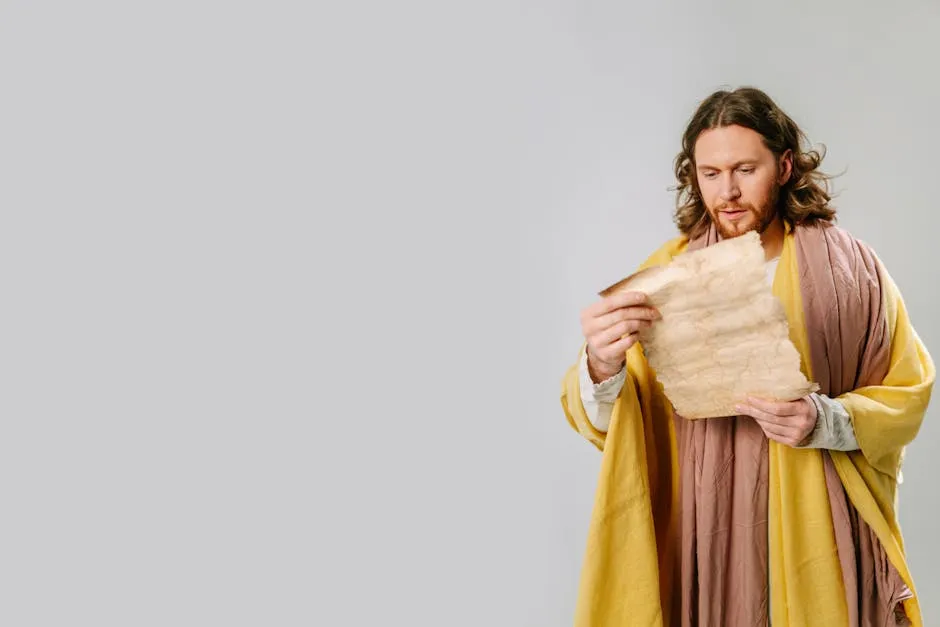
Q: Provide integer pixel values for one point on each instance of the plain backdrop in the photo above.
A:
(624, 82)
(289, 288)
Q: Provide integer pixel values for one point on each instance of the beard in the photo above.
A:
(758, 217)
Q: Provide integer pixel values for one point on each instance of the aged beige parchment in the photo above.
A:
(723, 335)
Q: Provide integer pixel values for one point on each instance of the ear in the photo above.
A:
(785, 167)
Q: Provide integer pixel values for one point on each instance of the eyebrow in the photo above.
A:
(705, 166)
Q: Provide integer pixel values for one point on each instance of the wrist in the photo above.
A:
(813, 413)
(601, 371)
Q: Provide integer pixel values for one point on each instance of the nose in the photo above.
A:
(729, 189)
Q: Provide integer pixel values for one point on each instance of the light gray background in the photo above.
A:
(289, 288)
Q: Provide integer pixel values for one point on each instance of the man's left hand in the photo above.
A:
(789, 423)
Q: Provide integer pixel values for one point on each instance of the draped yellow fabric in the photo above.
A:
(627, 576)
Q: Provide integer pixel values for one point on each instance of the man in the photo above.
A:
(786, 513)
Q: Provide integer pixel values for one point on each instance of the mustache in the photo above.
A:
(734, 206)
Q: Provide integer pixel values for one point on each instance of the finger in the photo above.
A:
(621, 346)
(775, 432)
(620, 329)
(746, 409)
(621, 299)
(615, 352)
(777, 408)
(774, 429)
(622, 315)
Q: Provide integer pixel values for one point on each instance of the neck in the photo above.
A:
(772, 239)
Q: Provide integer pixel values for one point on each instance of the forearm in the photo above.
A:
(598, 398)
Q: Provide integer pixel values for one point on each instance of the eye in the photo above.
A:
(746, 169)
(710, 175)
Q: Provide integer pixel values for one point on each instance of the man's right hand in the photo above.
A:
(611, 326)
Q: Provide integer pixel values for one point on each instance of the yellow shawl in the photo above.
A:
(627, 580)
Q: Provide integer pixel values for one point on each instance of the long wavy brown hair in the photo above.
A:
(804, 198)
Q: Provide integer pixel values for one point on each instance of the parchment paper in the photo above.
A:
(723, 335)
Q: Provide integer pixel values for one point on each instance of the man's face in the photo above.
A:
(739, 179)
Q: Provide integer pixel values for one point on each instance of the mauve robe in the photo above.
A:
(722, 562)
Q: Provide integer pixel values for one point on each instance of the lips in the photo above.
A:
(733, 213)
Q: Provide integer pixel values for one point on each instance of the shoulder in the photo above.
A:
(834, 236)
(665, 253)
(833, 246)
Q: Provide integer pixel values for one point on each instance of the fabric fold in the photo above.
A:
(750, 510)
